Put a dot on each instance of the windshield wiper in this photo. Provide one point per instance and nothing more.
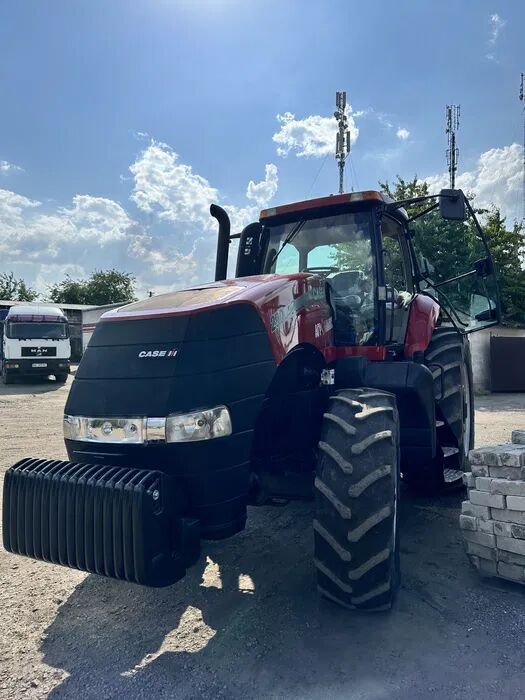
(289, 238)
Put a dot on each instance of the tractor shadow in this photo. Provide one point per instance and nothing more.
(266, 633)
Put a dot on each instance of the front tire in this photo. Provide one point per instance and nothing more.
(61, 378)
(6, 379)
(356, 539)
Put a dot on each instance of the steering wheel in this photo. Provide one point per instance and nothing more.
(321, 270)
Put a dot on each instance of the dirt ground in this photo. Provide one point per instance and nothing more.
(247, 621)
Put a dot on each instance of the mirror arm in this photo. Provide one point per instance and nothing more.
(422, 213)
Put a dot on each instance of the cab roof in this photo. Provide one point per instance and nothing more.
(333, 200)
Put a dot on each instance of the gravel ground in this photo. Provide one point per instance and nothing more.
(247, 621)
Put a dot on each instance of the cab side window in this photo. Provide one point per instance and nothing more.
(396, 275)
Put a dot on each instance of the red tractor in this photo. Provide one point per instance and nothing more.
(334, 363)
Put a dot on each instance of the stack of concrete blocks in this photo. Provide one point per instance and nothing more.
(492, 520)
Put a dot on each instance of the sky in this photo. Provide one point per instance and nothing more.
(122, 121)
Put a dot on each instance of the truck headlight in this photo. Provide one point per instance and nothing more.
(199, 425)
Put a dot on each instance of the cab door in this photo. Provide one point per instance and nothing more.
(453, 265)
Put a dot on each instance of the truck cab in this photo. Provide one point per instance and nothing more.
(34, 342)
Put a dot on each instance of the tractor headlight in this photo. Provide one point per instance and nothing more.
(199, 425)
(183, 427)
(122, 430)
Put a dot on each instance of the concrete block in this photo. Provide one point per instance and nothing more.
(502, 529)
(483, 483)
(479, 550)
(509, 544)
(485, 566)
(483, 498)
(513, 473)
(479, 469)
(518, 437)
(481, 512)
(516, 503)
(485, 525)
(468, 522)
(511, 571)
(511, 558)
(483, 538)
(506, 516)
(518, 531)
(512, 455)
(508, 455)
(476, 457)
(484, 456)
(469, 480)
(507, 488)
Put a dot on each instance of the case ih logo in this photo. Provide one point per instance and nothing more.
(158, 353)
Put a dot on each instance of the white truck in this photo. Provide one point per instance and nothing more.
(34, 342)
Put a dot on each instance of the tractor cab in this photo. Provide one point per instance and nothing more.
(376, 258)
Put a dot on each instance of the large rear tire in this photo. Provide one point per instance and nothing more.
(448, 358)
(356, 538)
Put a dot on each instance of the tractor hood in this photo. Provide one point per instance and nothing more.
(201, 347)
(254, 290)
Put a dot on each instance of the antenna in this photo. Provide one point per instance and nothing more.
(342, 142)
(453, 112)
(522, 98)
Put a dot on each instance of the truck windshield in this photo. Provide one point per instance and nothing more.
(339, 249)
(29, 331)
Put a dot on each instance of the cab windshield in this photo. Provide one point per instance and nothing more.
(37, 330)
(339, 249)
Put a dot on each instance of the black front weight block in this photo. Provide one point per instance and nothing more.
(113, 521)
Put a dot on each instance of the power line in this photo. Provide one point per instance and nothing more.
(342, 143)
(452, 117)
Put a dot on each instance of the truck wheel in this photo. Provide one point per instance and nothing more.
(448, 358)
(6, 379)
(61, 378)
(356, 540)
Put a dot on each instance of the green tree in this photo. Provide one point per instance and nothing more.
(14, 289)
(508, 250)
(448, 248)
(103, 287)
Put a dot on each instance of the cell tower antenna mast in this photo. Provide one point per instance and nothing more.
(453, 112)
(342, 143)
(522, 98)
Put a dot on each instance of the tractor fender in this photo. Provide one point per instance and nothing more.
(422, 319)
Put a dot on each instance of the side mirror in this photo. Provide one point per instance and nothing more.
(452, 205)
(487, 315)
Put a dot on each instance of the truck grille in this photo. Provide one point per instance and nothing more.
(106, 520)
(32, 351)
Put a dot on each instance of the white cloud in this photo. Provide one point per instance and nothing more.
(495, 179)
(170, 242)
(262, 192)
(65, 235)
(313, 136)
(7, 168)
(402, 134)
(496, 25)
(170, 189)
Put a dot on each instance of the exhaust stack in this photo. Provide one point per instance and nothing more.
(223, 242)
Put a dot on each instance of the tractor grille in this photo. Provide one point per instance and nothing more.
(106, 520)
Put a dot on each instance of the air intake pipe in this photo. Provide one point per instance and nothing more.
(223, 242)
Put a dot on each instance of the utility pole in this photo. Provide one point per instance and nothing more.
(452, 150)
(342, 143)
(522, 98)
